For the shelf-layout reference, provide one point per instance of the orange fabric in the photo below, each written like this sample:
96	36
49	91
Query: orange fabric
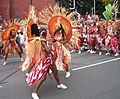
29	29
65	23
5	35
12	46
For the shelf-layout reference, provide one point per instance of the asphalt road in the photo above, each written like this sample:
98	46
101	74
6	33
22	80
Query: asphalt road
92	77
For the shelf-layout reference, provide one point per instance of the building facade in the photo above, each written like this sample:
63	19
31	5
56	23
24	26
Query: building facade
20	8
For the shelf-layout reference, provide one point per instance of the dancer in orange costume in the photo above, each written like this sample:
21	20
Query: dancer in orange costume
10	44
63	59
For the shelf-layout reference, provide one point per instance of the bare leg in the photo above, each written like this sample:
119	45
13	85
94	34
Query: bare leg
55	71
66	64
79	49
107	48
43	78
66	68
67	71
19	52
30	68
5	57
56	76
89	48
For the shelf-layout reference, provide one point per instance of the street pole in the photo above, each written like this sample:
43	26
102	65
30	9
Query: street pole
9	8
73	5
30	2
92	10
94	7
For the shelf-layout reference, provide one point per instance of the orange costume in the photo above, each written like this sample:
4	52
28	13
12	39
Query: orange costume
61	30
11	45
63	56
9	36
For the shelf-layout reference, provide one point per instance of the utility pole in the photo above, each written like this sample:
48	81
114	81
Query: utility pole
94	7
92	10
30	2
72	4
60	3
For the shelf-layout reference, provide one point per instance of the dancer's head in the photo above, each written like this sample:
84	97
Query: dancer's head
43	32
12	32
34	30
59	33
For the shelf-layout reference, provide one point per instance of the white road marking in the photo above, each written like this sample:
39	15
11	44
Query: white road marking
87	66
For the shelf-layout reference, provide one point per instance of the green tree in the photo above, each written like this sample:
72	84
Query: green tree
84	6
106	2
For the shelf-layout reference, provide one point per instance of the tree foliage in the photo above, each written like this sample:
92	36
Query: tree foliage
83	6
106	2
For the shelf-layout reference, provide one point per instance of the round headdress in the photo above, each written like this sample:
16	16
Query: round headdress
7	32
55	23
29	29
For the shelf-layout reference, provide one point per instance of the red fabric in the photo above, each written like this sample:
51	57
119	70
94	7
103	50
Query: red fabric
86	16
114	44
39	69
79	42
12	45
